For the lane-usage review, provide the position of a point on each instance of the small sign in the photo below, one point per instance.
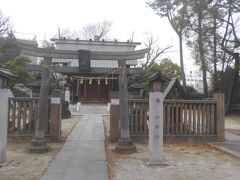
(55, 100)
(157, 99)
(114, 101)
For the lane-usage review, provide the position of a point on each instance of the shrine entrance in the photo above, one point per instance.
(125, 144)
(93, 92)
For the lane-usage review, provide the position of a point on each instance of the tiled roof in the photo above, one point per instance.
(5, 72)
(108, 46)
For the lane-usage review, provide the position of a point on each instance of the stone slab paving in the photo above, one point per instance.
(83, 156)
(89, 109)
(231, 144)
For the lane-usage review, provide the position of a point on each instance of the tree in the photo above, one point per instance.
(175, 11)
(66, 33)
(17, 67)
(9, 49)
(154, 52)
(96, 31)
(5, 25)
(197, 11)
(231, 42)
(166, 67)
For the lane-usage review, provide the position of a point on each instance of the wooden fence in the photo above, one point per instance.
(138, 116)
(22, 114)
(181, 117)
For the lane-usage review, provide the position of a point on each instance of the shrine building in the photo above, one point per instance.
(92, 84)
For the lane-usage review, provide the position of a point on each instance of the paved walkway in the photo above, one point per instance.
(83, 156)
(231, 144)
(89, 109)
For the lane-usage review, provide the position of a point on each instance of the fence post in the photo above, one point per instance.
(219, 97)
(55, 115)
(114, 116)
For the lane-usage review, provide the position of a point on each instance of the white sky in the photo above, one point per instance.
(43, 17)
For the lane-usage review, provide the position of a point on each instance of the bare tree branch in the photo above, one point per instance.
(96, 31)
(5, 25)
(154, 51)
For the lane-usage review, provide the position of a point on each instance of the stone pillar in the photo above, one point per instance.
(67, 95)
(156, 98)
(39, 144)
(125, 144)
(155, 126)
(219, 98)
(3, 123)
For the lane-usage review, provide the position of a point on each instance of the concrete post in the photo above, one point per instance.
(3, 123)
(219, 97)
(125, 144)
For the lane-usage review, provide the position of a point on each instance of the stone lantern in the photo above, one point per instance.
(5, 81)
(157, 82)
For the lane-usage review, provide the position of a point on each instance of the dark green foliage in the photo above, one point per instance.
(166, 67)
(8, 48)
(18, 93)
(193, 94)
(17, 67)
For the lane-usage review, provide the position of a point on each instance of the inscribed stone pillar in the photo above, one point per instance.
(156, 126)
(3, 123)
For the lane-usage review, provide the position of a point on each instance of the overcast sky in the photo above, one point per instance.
(43, 17)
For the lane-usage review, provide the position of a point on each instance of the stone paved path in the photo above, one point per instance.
(230, 145)
(83, 156)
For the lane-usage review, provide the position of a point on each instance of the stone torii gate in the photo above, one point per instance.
(125, 145)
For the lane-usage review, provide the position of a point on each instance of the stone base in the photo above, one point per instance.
(38, 146)
(125, 146)
(150, 162)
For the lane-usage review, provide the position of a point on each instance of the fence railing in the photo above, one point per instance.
(22, 114)
(138, 116)
(189, 117)
(181, 117)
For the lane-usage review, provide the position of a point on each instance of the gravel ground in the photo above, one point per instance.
(185, 160)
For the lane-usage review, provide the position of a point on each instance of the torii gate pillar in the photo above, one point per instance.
(125, 144)
(39, 144)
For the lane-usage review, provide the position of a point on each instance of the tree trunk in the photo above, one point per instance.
(201, 53)
(233, 88)
(181, 63)
(215, 80)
